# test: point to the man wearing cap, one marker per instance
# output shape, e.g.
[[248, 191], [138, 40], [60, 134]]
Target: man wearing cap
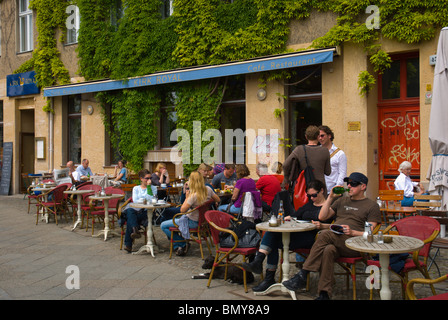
[[351, 212]]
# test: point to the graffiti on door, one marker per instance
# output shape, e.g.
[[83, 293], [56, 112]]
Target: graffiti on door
[[407, 127]]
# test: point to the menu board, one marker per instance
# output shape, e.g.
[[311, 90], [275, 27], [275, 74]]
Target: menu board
[[5, 183]]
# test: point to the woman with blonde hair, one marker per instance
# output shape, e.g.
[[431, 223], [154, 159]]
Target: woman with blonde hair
[[160, 175], [196, 194]]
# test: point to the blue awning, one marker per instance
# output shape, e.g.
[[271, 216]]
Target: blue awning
[[271, 63]]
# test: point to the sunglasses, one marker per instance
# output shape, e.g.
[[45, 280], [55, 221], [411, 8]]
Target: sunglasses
[[147, 178], [354, 183], [313, 195]]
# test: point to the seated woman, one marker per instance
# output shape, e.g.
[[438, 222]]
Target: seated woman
[[159, 177], [119, 174], [244, 184], [196, 194], [134, 217], [272, 241], [403, 182]]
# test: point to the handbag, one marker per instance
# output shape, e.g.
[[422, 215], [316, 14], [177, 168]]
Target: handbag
[[248, 236], [305, 176]]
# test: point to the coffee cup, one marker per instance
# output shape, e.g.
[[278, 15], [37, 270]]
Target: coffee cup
[[163, 185], [161, 201]]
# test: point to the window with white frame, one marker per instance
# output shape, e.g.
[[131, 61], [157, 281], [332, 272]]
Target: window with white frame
[[25, 26], [72, 24]]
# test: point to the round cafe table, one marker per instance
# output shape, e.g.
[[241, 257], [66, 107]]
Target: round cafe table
[[78, 194], [105, 200], [150, 245], [399, 244], [285, 228]]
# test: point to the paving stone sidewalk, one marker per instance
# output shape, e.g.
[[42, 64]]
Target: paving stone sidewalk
[[34, 261]]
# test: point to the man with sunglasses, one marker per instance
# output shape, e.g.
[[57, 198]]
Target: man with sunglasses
[[351, 212]]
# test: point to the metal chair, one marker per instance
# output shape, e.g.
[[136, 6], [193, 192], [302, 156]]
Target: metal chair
[[219, 222]]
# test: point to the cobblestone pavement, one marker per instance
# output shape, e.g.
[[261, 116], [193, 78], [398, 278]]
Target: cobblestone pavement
[[34, 260]]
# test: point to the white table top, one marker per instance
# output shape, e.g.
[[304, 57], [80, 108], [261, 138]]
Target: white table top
[[399, 244], [288, 226], [149, 205], [78, 191], [106, 197]]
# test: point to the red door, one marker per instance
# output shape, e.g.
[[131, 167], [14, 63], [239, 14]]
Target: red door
[[399, 140]]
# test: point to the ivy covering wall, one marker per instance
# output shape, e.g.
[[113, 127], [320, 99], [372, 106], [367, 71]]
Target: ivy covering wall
[[119, 43]]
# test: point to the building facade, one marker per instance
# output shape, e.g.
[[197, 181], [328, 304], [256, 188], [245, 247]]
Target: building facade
[[377, 132]]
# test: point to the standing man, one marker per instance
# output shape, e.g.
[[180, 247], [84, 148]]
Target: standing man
[[72, 172], [84, 171], [351, 212], [338, 159], [316, 156]]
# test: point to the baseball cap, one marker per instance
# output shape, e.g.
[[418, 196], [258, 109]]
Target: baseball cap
[[358, 177]]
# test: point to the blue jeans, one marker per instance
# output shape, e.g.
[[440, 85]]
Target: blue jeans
[[165, 226], [232, 210], [272, 242], [134, 218]]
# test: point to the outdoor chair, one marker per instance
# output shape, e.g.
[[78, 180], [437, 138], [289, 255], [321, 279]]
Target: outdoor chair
[[410, 288], [390, 197], [427, 202], [53, 206], [199, 234], [349, 265], [420, 227], [32, 198], [438, 243], [224, 257]]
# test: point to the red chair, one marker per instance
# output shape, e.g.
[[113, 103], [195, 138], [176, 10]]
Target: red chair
[[98, 211], [349, 265], [85, 207], [66, 201], [410, 288], [219, 222], [420, 227], [55, 205], [202, 232]]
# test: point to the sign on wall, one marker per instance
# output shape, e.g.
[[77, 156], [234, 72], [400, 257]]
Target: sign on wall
[[21, 84]]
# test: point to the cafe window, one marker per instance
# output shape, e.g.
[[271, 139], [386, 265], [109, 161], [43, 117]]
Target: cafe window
[[233, 117], [25, 26], [304, 90], [74, 128], [168, 119], [401, 80]]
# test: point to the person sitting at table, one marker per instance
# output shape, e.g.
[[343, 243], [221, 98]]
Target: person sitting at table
[[404, 182], [243, 184], [268, 185], [227, 176], [84, 170], [74, 175], [207, 173], [119, 174], [351, 212], [277, 171], [197, 193], [160, 176], [272, 241], [169, 213], [135, 218]]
